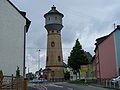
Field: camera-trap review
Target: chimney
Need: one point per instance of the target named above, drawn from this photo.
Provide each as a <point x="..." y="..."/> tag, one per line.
<point x="118" y="26"/>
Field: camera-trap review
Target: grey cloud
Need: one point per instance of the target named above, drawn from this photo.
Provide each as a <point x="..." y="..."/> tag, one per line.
<point x="84" y="19"/>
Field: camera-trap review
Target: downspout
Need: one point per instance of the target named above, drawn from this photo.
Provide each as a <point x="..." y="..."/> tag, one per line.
<point x="24" y="51"/>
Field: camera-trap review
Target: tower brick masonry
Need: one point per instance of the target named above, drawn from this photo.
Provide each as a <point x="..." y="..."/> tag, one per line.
<point x="54" y="58"/>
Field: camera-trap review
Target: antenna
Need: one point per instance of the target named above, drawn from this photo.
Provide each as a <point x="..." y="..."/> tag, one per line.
<point x="114" y="25"/>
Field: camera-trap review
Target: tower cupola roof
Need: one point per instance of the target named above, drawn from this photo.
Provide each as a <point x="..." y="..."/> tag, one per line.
<point x="53" y="11"/>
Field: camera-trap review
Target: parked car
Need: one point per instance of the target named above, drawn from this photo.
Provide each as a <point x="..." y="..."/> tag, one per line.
<point x="116" y="80"/>
<point x="36" y="81"/>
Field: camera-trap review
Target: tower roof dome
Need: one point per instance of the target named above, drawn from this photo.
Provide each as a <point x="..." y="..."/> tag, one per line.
<point x="53" y="11"/>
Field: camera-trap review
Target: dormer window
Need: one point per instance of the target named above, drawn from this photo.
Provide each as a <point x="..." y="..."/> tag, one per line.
<point x="49" y="18"/>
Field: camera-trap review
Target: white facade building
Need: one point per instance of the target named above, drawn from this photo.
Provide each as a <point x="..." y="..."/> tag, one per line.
<point x="13" y="28"/>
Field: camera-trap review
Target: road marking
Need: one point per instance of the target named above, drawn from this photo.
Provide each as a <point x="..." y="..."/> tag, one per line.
<point x="44" y="88"/>
<point x="70" y="88"/>
<point x="55" y="85"/>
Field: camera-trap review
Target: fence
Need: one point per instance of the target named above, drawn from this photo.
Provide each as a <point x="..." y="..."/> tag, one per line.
<point x="13" y="83"/>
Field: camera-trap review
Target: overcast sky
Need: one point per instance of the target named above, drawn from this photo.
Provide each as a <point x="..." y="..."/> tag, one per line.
<point x="83" y="19"/>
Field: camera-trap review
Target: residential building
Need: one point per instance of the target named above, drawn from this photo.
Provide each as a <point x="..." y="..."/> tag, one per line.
<point x="88" y="74"/>
<point x="73" y="74"/>
<point x="13" y="28"/>
<point x="107" y="55"/>
<point x="91" y="74"/>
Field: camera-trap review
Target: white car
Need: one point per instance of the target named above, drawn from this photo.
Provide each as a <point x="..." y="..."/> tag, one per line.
<point x="36" y="81"/>
<point x="116" y="80"/>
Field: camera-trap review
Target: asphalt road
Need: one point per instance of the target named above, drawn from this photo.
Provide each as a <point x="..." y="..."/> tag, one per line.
<point x="64" y="86"/>
<point x="67" y="86"/>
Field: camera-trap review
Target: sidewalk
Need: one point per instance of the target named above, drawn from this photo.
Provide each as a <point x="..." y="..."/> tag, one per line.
<point x="31" y="88"/>
<point x="104" y="86"/>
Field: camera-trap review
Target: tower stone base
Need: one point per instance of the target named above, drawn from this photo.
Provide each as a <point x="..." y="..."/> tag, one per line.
<point x="56" y="74"/>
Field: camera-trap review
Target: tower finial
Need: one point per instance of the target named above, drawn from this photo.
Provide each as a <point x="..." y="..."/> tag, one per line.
<point x="53" y="7"/>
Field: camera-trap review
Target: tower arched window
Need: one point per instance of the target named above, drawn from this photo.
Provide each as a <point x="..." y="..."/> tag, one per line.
<point x="47" y="58"/>
<point x="59" y="58"/>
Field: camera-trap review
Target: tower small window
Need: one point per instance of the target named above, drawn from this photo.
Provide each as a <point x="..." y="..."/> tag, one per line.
<point x="55" y="18"/>
<point x="47" y="58"/>
<point x="52" y="31"/>
<point x="59" y="58"/>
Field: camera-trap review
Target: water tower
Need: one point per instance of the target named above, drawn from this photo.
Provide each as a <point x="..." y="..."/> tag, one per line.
<point x="54" y="58"/>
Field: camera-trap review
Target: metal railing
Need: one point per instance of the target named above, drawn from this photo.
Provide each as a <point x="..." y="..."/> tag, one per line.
<point x="108" y="83"/>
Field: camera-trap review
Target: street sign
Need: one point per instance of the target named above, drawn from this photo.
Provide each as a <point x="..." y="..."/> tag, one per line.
<point x="83" y="68"/>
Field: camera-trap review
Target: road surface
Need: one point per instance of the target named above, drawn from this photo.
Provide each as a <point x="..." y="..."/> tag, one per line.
<point x="66" y="86"/>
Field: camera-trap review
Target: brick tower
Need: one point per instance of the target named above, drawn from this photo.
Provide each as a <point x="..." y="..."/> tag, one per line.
<point x="54" y="59"/>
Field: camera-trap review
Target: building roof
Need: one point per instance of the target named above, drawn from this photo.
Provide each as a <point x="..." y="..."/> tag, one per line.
<point x="93" y="58"/>
<point x="65" y="65"/>
<point x="89" y="56"/>
<point x="101" y="39"/>
<point x="53" y="11"/>
<point x="28" y="22"/>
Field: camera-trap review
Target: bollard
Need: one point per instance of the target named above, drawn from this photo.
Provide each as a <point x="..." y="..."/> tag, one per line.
<point x="110" y="83"/>
<point x="119" y="84"/>
<point x="114" y="85"/>
<point x="106" y="83"/>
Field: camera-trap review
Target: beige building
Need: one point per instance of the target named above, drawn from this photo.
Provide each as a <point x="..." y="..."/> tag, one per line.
<point x="54" y="58"/>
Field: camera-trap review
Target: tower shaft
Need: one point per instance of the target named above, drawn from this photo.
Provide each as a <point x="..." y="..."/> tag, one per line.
<point x="54" y="55"/>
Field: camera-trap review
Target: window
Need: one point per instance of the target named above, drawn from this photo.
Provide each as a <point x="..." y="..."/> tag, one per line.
<point x="49" y="18"/>
<point x="52" y="44"/>
<point x="55" y="18"/>
<point x="59" y="58"/>
<point x="52" y="31"/>
<point x="47" y="58"/>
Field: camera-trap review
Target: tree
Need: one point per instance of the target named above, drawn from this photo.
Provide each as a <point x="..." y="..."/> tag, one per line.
<point x="17" y="72"/>
<point x="77" y="57"/>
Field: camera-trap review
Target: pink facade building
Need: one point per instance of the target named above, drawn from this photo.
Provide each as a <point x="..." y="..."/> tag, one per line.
<point x="107" y="54"/>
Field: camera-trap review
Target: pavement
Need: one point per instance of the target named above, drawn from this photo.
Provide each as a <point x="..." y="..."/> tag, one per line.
<point x="31" y="88"/>
<point x="104" y="86"/>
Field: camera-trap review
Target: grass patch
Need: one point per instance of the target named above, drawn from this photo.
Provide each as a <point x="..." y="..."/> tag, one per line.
<point x="78" y="82"/>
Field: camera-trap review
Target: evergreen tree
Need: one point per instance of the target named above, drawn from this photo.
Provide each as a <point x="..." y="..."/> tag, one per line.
<point x="77" y="57"/>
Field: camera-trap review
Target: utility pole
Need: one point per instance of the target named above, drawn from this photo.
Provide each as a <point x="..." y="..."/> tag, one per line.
<point x="114" y="25"/>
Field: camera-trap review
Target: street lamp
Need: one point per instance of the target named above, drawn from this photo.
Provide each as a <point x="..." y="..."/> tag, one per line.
<point x="38" y="59"/>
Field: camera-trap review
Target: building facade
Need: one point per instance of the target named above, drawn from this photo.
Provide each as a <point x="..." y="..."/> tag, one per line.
<point x="54" y="58"/>
<point x="13" y="28"/>
<point x="108" y="55"/>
